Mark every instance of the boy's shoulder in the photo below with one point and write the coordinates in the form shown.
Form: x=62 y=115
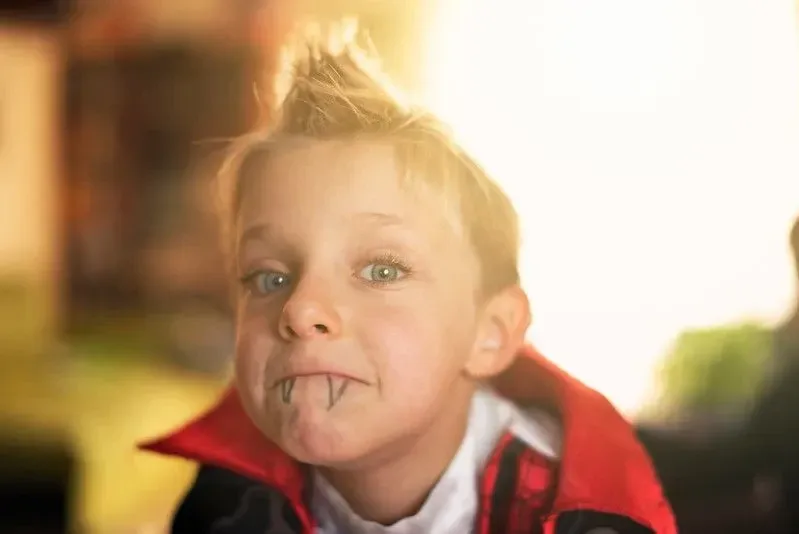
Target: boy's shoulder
x=602 y=471
x=606 y=477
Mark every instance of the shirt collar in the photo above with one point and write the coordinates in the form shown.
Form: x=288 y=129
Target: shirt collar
x=453 y=504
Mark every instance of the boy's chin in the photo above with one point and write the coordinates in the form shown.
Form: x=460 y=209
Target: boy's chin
x=326 y=442
x=323 y=449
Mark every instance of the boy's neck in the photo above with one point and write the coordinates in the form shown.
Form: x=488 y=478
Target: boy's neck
x=392 y=489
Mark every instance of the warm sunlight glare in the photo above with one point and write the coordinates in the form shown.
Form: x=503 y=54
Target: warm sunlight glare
x=652 y=149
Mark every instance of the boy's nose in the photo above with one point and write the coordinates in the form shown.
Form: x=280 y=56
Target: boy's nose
x=308 y=314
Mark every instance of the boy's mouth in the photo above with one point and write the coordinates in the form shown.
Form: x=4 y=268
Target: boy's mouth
x=336 y=387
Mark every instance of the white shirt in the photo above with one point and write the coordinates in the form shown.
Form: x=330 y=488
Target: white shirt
x=453 y=504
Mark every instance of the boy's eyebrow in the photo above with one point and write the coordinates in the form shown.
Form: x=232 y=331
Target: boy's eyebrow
x=256 y=232
x=259 y=232
x=384 y=219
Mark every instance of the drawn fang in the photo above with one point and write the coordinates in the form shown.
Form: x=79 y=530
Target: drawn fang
x=336 y=387
x=286 y=386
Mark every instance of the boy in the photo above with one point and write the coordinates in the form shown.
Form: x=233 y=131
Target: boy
x=382 y=384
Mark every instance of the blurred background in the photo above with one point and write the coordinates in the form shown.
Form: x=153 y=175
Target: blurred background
x=652 y=149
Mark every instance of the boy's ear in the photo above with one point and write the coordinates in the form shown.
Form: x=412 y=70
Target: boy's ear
x=500 y=333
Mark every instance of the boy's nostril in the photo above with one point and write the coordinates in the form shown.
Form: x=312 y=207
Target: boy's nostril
x=322 y=329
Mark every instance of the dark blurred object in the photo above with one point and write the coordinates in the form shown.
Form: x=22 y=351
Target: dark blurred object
x=141 y=213
x=715 y=487
x=786 y=336
x=36 y=477
x=744 y=480
x=136 y=199
x=772 y=434
x=34 y=10
x=772 y=437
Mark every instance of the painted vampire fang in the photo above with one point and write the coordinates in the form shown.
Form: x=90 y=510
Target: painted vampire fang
x=286 y=387
x=336 y=387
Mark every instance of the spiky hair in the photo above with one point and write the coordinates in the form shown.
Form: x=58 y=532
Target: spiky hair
x=331 y=88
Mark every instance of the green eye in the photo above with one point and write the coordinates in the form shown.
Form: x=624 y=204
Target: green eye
x=381 y=273
x=265 y=282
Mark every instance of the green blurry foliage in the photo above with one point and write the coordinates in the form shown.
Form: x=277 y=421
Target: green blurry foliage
x=714 y=369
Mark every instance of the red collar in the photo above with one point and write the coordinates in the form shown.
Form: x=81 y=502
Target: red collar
x=606 y=468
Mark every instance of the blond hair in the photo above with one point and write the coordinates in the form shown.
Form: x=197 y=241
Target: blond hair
x=331 y=89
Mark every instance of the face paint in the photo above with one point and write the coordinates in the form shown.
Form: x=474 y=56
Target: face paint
x=336 y=388
x=286 y=387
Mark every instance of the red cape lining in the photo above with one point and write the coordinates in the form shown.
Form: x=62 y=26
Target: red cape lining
x=603 y=465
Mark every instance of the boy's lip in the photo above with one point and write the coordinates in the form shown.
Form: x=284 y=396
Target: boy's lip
x=305 y=374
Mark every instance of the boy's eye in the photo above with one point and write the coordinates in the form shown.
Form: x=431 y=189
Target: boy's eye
x=265 y=282
x=381 y=273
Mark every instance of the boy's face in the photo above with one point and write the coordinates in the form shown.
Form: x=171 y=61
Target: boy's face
x=357 y=314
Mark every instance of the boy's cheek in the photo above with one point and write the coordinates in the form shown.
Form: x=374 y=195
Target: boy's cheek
x=413 y=358
x=249 y=309
x=251 y=357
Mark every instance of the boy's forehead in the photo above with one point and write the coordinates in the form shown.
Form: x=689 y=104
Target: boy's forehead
x=360 y=181
x=322 y=165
